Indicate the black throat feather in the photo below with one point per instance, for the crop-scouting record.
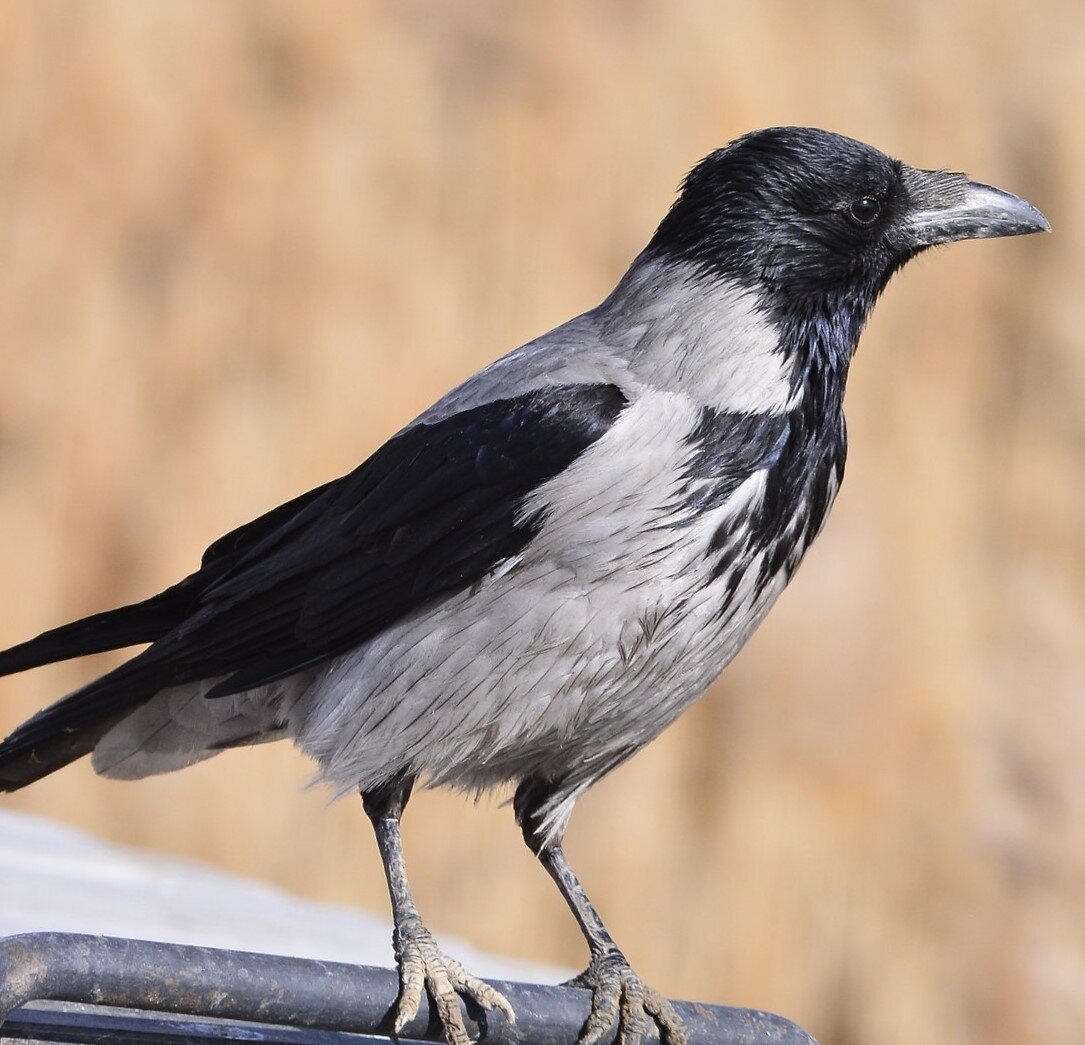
(801, 450)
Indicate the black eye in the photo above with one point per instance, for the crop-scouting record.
(865, 211)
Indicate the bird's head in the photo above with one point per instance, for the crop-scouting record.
(815, 223)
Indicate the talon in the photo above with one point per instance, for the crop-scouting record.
(448, 1006)
(633, 1023)
(422, 965)
(670, 1023)
(412, 971)
(618, 993)
(485, 995)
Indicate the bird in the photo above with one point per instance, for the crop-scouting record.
(539, 574)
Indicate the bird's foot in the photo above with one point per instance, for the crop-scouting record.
(423, 965)
(618, 993)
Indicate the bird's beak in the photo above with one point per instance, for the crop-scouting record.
(948, 207)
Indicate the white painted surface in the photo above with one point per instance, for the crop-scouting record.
(57, 879)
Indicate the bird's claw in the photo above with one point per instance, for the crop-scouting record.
(424, 966)
(618, 993)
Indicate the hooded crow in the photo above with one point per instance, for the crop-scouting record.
(538, 575)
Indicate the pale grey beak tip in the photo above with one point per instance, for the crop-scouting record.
(955, 211)
(1018, 215)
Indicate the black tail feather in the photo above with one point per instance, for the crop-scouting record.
(132, 625)
(70, 728)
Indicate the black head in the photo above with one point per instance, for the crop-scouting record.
(803, 217)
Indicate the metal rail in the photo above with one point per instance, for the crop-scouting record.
(306, 995)
(52, 1023)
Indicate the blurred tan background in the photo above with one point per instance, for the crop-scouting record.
(241, 243)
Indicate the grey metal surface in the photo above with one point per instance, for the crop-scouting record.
(66, 1023)
(310, 995)
(61, 1023)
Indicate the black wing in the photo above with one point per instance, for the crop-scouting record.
(432, 511)
(149, 620)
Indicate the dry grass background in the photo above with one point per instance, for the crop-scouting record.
(242, 243)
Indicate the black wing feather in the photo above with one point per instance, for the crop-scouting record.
(432, 511)
(436, 508)
(149, 620)
(231, 546)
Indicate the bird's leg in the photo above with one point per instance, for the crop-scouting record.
(422, 964)
(617, 991)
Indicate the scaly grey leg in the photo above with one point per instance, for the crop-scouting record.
(617, 991)
(422, 964)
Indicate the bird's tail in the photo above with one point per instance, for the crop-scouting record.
(132, 625)
(70, 728)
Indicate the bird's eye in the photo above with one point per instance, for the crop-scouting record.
(865, 211)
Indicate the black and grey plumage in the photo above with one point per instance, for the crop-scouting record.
(539, 574)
